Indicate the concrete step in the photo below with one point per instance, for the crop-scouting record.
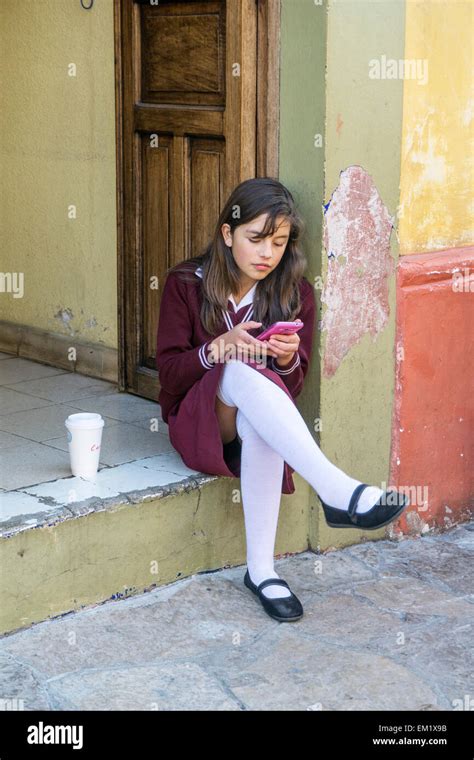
(71, 543)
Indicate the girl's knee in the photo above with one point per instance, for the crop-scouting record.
(239, 368)
(244, 427)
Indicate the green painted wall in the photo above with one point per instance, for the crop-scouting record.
(302, 114)
(355, 405)
(58, 149)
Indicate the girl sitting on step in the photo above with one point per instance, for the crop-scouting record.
(229, 398)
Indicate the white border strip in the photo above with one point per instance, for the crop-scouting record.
(202, 355)
(296, 363)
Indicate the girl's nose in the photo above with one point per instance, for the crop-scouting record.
(265, 249)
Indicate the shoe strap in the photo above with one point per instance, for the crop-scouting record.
(355, 499)
(271, 582)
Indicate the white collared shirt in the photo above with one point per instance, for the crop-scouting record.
(245, 301)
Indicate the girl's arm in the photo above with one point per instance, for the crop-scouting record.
(178, 362)
(293, 374)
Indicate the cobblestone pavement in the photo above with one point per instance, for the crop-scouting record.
(388, 625)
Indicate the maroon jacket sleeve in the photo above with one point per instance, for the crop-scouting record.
(294, 373)
(179, 363)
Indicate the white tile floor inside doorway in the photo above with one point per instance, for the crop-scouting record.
(35, 400)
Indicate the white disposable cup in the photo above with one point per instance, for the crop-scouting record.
(84, 435)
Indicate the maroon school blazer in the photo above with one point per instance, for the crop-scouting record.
(189, 379)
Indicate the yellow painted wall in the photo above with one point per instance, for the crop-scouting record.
(437, 166)
(57, 148)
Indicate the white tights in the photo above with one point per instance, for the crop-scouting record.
(273, 431)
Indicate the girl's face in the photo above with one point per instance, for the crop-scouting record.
(257, 257)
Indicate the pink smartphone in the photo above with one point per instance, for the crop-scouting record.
(280, 328)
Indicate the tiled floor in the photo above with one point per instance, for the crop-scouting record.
(35, 400)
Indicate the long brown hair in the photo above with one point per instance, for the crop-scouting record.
(277, 296)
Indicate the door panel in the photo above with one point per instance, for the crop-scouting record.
(188, 131)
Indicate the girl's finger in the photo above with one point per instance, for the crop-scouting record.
(285, 345)
(286, 338)
(249, 325)
(280, 351)
(254, 341)
(265, 348)
(251, 345)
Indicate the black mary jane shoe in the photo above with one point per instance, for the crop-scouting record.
(390, 506)
(285, 609)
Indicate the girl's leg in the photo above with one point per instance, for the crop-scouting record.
(261, 475)
(226, 418)
(278, 422)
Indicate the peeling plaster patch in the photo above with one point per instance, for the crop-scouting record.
(92, 322)
(357, 227)
(65, 316)
(415, 523)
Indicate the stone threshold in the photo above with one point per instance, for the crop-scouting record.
(134, 482)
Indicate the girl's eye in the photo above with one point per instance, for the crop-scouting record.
(257, 240)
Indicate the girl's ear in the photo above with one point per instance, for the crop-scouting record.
(227, 234)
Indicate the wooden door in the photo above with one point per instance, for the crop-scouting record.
(197, 113)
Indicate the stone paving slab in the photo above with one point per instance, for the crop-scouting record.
(388, 625)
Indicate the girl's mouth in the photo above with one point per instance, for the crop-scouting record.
(262, 267)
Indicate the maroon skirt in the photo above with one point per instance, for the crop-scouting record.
(195, 434)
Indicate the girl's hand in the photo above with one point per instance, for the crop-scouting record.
(284, 346)
(246, 345)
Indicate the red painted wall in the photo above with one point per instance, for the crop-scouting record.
(432, 454)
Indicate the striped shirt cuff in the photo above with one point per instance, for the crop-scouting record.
(204, 356)
(286, 370)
